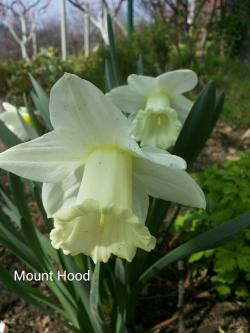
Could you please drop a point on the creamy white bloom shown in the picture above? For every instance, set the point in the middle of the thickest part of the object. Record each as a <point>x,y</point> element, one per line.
<point>11,120</point>
<point>157,107</point>
<point>96,177</point>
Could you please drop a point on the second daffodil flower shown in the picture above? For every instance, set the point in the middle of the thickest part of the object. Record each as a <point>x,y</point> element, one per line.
<point>11,120</point>
<point>97,179</point>
<point>156,105</point>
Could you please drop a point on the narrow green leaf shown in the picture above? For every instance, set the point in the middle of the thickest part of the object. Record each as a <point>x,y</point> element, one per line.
<point>113,55</point>
<point>27,224</point>
<point>130,18</point>
<point>208,240</point>
<point>109,76</point>
<point>81,290</point>
<point>26,291</point>
<point>140,65</point>
<point>33,296</point>
<point>217,111</point>
<point>16,245</point>
<point>120,296</point>
<point>94,296</point>
<point>41,101</point>
<point>157,214</point>
<point>197,126</point>
<point>37,197</point>
<point>8,138</point>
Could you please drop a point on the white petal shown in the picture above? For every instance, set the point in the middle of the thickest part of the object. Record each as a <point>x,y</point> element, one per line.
<point>13,123</point>
<point>140,200</point>
<point>182,105</point>
<point>8,107</point>
<point>80,106</point>
<point>55,196</point>
<point>178,81</point>
<point>48,158</point>
<point>169,184</point>
<point>23,110</point>
<point>141,84</point>
<point>126,99</point>
<point>164,158</point>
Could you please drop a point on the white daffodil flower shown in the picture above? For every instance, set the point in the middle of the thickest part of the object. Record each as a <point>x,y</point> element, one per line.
<point>97,179</point>
<point>11,120</point>
<point>156,105</point>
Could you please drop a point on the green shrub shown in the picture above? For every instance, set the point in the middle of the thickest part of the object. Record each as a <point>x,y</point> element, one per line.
<point>228,195</point>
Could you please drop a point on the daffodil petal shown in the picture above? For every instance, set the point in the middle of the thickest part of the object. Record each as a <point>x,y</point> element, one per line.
<point>82,106</point>
<point>142,84</point>
<point>8,107</point>
<point>55,196</point>
<point>169,184</point>
<point>49,158</point>
<point>140,200</point>
<point>126,99</point>
<point>178,81</point>
<point>164,158</point>
<point>12,122</point>
<point>182,105</point>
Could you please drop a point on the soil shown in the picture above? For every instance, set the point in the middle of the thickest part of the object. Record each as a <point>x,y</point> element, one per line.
<point>157,308</point>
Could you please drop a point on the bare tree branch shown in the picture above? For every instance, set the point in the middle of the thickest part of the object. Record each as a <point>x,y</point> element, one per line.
<point>99,19</point>
<point>25,14</point>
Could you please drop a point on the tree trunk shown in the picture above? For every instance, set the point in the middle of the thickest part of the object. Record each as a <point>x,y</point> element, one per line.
<point>34,44</point>
<point>63,31</point>
<point>24,51</point>
<point>86,34</point>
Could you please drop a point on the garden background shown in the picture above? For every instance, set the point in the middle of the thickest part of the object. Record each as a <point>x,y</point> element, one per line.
<point>210,290</point>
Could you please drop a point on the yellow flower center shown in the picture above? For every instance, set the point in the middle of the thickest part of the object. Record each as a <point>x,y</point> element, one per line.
<point>27,119</point>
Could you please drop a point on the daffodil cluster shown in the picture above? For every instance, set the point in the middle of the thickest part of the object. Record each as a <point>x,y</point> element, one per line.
<point>96,178</point>
<point>156,106</point>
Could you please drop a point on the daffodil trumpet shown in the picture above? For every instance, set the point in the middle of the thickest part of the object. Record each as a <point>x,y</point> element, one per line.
<point>96,178</point>
<point>156,106</point>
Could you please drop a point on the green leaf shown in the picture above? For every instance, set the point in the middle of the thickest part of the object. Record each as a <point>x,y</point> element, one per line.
<point>41,101</point>
<point>94,295</point>
<point>197,126</point>
<point>156,215</point>
<point>37,196</point>
<point>208,240</point>
<point>26,291</point>
<point>130,18</point>
<point>81,290</point>
<point>27,224</point>
<point>33,296</point>
<point>109,76</point>
<point>8,138</point>
<point>140,65</point>
<point>16,245</point>
<point>113,55</point>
